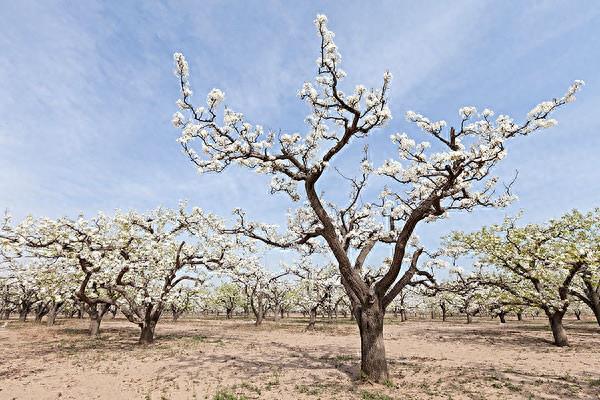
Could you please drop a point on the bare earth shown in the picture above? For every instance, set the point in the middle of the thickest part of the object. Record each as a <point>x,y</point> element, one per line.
<point>197,359</point>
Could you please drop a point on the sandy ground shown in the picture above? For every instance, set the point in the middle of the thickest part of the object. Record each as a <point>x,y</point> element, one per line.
<point>227,360</point>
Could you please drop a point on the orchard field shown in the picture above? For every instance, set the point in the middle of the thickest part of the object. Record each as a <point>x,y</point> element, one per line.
<point>214,358</point>
<point>333,251</point>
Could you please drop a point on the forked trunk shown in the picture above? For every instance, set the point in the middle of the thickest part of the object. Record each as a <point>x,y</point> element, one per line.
<point>23,315</point>
<point>373,364</point>
<point>558,330</point>
<point>578,315</point>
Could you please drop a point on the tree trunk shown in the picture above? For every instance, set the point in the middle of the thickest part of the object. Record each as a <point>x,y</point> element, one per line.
<point>23,315</point>
<point>277,313</point>
<point>229,312</point>
<point>520,316</point>
<point>40,311</point>
<point>593,295</point>
<point>52,316</point>
<point>443,314</point>
<point>313,319</point>
<point>53,312</point>
<point>95,321</point>
<point>578,315</point>
<point>502,317</point>
<point>258,313</point>
<point>147,333</point>
<point>6,314</point>
<point>373,364</point>
<point>96,316</point>
<point>469,318</point>
<point>558,331</point>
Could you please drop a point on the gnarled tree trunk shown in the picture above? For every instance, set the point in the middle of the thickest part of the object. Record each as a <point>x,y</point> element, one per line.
<point>372,348</point>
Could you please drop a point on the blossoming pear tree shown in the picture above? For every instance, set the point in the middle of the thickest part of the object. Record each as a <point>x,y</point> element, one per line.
<point>256,282</point>
<point>227,296</point>
<point>316,286</point>
<point>90,244</point>
<point>586,287</point>
<point>535,265</point>
<point>171,247</point>
<point>426,180</point>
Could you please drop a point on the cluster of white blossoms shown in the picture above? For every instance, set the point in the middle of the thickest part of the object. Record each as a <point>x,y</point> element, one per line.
<point>291,156</point>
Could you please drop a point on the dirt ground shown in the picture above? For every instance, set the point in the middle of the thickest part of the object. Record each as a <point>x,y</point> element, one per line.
<point>233,360</point>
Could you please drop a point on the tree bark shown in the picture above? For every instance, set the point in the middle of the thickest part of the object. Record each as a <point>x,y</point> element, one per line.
<point>373,364</point>
<point>558,330</point>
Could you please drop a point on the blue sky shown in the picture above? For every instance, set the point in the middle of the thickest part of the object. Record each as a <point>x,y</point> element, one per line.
<point>87,93</point>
